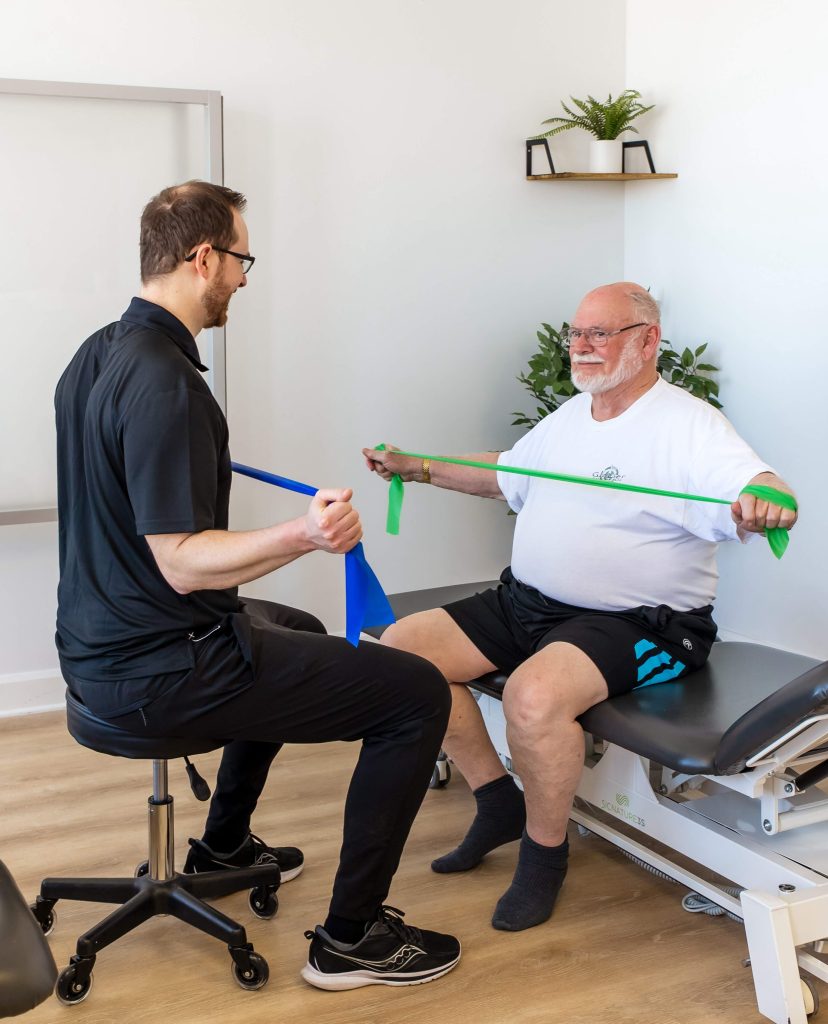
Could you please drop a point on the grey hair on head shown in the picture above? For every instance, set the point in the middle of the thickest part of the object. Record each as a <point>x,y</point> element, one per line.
<point>646,307</point>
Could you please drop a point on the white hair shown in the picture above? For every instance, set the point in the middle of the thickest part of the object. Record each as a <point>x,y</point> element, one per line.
<point>645,306</point>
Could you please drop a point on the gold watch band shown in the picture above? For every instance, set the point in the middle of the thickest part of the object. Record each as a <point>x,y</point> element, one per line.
<point>426,471</point>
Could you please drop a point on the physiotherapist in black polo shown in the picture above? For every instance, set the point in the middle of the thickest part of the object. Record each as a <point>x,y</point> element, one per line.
<point>151,631</point>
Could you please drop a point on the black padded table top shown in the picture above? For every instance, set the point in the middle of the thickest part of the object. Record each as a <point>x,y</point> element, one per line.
<point>711,721</point>
<point>708,723</point>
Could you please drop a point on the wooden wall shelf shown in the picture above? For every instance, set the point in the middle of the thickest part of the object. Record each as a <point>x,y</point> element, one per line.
<point>583,176</point>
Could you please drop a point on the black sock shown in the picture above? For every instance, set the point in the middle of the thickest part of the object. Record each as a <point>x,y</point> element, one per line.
<point>224,842</point>
<point>530,898</point>
<point>343,929</point>
<point>500,818</point>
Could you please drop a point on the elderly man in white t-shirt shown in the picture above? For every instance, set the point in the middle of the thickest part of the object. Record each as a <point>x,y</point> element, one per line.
<point>607,590</point>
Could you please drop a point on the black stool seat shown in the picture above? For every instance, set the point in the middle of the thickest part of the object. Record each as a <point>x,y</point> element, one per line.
<point>101,735</point>
<point>27,970</point>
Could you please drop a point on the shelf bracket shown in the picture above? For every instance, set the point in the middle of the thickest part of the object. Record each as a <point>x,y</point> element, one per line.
<point>530,144</point>
<point>634,145</point>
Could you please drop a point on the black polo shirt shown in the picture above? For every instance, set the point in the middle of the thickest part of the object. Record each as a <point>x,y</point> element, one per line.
<point>142,448</point>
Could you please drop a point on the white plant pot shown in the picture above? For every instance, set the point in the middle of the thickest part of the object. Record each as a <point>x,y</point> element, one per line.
<point>605,156</point>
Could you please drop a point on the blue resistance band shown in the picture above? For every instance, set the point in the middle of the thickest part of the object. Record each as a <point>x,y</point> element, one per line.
<point>365,602</point>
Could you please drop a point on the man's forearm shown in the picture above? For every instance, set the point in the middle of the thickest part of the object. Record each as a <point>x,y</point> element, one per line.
<point>217,559</point>
<point>467,479</point>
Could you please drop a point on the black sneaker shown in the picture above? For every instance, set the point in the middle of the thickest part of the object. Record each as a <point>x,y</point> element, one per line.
<point>390,953</point>
<point>252,852</point>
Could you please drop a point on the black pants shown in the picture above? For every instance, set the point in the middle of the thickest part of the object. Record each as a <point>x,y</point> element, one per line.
<point>270,676</point>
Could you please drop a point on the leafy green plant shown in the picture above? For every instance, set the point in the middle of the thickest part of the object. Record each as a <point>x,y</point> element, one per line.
<point>603,120</point>
<point>687,372</point>
<point>549,378</point>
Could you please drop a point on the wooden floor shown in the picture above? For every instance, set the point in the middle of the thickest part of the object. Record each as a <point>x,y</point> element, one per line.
<point>619,947</point>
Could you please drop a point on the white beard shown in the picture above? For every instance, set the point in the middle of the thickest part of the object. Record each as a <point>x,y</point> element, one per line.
<point>629,365</point>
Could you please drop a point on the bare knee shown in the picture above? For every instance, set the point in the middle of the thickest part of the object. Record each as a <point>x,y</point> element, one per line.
<point>550,690</point>
<point>408,635</point>
<point>400,636</point>
<point>533,706</point>
<point>436,637</point>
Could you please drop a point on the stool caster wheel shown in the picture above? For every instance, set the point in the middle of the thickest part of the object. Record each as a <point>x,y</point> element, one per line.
<point>810,996</point>
<point>254,978</point>
<point>69,989</point>
<point>263,901</point>
<point>45,915</point>
<point>441,775</point>
<point>141,870</point>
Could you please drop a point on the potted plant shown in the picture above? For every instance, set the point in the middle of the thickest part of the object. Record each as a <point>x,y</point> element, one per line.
<point>549,378</point>
<point>605,121</point>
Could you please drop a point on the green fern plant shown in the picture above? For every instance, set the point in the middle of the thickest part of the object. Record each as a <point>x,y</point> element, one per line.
<point>603,120</point>
<point>549,378</point>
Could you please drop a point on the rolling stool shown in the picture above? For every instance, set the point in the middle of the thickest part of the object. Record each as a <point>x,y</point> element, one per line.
<point>28,972</point>
<point>156,887</point>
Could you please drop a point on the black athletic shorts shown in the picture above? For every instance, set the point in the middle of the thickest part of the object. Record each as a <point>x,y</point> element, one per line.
<point>637,647</point>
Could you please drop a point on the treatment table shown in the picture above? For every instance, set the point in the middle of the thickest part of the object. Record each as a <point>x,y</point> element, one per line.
<point>723,768</point>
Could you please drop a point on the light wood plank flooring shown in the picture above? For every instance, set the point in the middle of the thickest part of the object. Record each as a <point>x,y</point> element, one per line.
<point>619,948</point>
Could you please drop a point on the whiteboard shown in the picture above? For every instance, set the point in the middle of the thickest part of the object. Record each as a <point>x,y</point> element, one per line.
<point>78,165</point>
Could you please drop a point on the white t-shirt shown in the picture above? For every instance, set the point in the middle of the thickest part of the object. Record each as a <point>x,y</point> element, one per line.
<point>596,547</point>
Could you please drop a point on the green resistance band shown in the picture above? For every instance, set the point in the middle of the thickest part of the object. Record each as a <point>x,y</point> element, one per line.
<point>777,536</point>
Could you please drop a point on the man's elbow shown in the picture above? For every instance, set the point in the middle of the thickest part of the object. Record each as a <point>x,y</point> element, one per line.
<point>176,580</point>
<point>166,550</point>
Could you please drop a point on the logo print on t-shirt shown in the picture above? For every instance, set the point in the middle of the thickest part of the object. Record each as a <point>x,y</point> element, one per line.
<point>610,473</point>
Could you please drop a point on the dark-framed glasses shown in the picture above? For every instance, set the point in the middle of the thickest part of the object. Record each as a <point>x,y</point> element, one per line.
<point>245,260</point>
<point>595,336</point>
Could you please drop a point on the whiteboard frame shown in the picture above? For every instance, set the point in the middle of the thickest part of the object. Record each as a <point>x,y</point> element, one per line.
<point>212,103</point>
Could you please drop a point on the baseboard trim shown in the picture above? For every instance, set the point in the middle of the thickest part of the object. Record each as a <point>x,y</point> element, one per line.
<point>31,693</point>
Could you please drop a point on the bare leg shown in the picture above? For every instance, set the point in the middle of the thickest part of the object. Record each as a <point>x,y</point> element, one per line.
<point>501,809</point>
<point>434,635</point>
<point>541,702</point>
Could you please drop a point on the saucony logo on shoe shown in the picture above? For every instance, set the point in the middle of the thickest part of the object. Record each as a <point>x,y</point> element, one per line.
<point>266,857</point>
<point>401,958</point>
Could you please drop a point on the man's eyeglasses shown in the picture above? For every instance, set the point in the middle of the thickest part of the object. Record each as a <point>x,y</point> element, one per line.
<point>594,335</point>
<point>245,260</point>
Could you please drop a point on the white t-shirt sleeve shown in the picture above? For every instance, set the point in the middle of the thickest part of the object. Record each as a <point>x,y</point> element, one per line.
<point>721,466</point>
<point>527,453</point>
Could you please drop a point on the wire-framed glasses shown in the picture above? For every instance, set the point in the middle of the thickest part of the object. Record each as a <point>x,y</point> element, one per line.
<point>595,336</point>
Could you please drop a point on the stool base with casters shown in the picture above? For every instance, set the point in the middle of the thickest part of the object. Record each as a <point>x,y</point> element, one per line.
<point>156,887</point>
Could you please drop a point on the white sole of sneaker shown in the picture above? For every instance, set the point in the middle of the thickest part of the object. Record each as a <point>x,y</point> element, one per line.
<point>357,979</point>
<point>287,875</point>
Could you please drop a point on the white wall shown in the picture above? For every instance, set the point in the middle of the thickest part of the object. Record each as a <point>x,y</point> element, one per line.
<point>403,262</point>
<point>735,249</point>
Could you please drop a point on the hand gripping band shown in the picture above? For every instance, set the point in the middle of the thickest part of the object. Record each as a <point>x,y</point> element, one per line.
<point>365,601</point>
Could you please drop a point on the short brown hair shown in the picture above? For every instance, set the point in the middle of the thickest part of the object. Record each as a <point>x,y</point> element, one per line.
<point>181,217</point>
